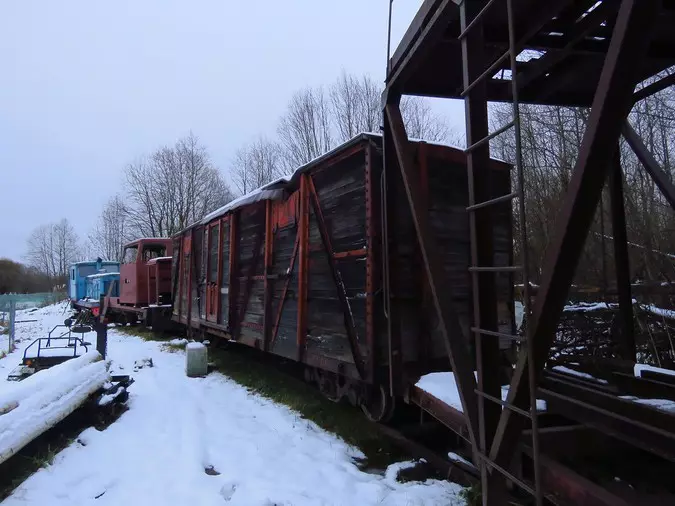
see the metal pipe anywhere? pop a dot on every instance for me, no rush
(489, 137)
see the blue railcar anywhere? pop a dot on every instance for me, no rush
(77, 286)
(99, 284)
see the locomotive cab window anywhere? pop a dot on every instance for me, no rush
(130, 254)
(153, 251)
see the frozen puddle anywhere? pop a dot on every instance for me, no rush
(208, 441)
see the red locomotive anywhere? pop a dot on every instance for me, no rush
(145, 281)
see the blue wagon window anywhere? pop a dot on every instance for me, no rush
(72, 275)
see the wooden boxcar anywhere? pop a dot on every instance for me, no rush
(295, 268)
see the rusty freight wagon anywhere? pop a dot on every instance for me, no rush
(295, 269)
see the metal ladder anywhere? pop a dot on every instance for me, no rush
(475, 270)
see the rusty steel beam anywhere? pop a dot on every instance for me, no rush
(650, 163)
(654, 87)
(621, 259)
(431, 34)
(452, 418)
(350, 326)
(361, 252)
(639, 425)
(611, 105)
(579, 31)
(448, 320)
(277, 319)
(389, 201)
(568, 486)
(303, 252)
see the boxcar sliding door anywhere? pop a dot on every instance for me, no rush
(213, 273)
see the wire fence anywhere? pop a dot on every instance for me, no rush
(10, 303)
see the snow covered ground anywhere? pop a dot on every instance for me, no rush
(204, 441)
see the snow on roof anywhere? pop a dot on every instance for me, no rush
(94, 262)
(275, 189)
(133, 243)
(103, 275)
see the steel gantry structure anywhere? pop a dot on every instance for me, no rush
(591, 54)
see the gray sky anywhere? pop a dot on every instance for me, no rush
(88, 86)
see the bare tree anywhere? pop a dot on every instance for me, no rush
(256, 164)
(421, 122)
(305, 129)
(173, 188)
(40, 250)
(111, 231)
(355, 105)
(66, 246)
(52, 248)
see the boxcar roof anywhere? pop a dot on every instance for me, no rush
(94, 262)
(147, 239)
(275, 189)
(104, 275)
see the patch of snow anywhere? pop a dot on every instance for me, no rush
(442, 385)
(177, 427)
(455, 457)
(665, 313)
(108, 398)
(588, 306)
(519, 309)
(638, 368)
(665, 405)
(177, 342)
(579, 374)
(194, 346)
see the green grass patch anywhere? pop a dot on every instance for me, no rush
(173, 348)
(472, 495)
(142, 332)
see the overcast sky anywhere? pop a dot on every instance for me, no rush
(88, 86)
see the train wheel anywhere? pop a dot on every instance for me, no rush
(380, 406)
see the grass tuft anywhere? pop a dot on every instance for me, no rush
(472, 495)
